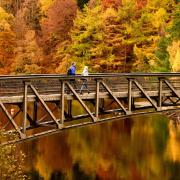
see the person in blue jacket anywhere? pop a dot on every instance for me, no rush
(72, 69)
(72, 72)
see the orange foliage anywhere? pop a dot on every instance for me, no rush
(111, 3)
(55, 29)
(7, 45)
(141, 3)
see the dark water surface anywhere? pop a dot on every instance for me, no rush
(142, 147)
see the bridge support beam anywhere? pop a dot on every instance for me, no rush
(130, 95)
(97, 99)
(62, 102)
(160, 93)
(25, 107)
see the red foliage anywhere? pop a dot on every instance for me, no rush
(111, 3)
(59, 19)
(141, 3)
(7, 46)
(55, 28)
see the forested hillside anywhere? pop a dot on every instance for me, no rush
(45, 36)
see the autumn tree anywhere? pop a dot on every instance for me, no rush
(29, 56)
(98, 38)
(86, 34)
(7, 41)
(151, 27)
(174, 45)
(55, 27)
(27, 25)
(167, 48)
(33, 14)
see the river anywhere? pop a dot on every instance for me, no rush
(142, 147)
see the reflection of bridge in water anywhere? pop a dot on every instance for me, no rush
(111, 96)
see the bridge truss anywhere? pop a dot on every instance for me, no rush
(35, 105)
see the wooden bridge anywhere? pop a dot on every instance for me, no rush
(108, 96)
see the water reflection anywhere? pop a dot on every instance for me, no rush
(146, 147)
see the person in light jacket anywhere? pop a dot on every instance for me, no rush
(84, 85)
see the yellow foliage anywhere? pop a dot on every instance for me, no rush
(159, 17)
(110, 13)
(5, 20)
(11, 161)
(173, 144)
(45, 4)
(174, 53)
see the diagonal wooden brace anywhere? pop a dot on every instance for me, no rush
(115, 98)
(45, 106)
(145, 94)
(172, 88)
(11, 120)
(81, 102)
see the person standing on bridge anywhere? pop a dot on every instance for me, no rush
(72, 72)
(84, 73)
(72, 69)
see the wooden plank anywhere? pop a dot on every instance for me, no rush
(90, 96)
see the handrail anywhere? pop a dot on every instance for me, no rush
(91, 75)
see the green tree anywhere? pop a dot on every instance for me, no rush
(150, 51)
(175, 29)
(166, 59)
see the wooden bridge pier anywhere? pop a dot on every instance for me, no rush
(161, 91)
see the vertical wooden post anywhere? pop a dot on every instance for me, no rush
(97, 98)
(62, 102)
(160, 93)
(102, 104)
(35, 111)
(130, 95)
(69, 103)
(25, 107)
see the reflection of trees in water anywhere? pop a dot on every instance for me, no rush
(122, 149)
(54, 155)
(173, 144)
(131, 149)
(174, 116)
(103, 150)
